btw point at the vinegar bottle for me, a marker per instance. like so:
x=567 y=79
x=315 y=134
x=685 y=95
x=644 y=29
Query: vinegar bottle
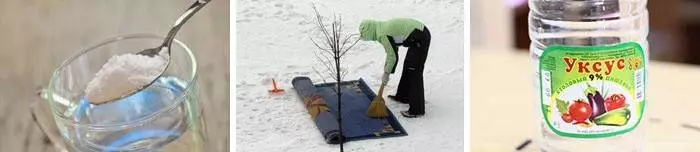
x=590 y=61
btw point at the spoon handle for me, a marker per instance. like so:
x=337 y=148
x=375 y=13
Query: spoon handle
x=182 y=20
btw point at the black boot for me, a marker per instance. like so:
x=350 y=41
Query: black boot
x=409 y=115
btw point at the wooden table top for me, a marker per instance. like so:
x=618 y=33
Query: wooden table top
x=502 y=94
x=37 y=35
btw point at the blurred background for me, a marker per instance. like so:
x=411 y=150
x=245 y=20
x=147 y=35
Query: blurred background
x=37 y=35
x=674 y=27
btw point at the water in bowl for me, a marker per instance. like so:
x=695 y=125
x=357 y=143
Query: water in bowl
x=151 y=120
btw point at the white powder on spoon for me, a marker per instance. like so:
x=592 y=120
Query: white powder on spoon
x=123 y=74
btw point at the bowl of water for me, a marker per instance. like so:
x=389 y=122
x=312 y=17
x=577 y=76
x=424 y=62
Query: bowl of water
x=165 y=116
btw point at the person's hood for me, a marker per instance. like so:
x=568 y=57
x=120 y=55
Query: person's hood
x=368 y=30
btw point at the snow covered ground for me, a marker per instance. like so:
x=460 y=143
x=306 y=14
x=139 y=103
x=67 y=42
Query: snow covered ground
x=273 y=42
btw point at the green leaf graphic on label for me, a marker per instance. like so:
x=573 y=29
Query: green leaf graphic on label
x=562 y=106
x=607 y=83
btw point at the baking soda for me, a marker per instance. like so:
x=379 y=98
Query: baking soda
x=123 y=74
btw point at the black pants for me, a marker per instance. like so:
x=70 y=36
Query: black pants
x=411 y=83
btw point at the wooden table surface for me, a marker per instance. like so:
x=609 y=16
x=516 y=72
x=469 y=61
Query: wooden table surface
x=502 y=94
x=36 y=35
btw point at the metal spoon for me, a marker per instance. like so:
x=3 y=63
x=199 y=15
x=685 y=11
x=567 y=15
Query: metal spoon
x=171 y=34
x=164 y=49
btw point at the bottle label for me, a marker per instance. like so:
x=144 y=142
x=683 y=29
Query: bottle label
x=592 y=91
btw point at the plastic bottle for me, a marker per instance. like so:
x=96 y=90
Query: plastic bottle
x=588 y=53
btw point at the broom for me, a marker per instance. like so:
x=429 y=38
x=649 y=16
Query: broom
x=378 y=109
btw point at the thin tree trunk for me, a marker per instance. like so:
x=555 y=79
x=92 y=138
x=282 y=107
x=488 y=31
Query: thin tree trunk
x=334 y=45
x=340 y=114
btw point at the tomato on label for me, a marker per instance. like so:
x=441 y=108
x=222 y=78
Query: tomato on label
x=580 y=111
x=615 y=101
x=567 y=118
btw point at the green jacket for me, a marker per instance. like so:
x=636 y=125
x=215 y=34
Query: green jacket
x=389 y=33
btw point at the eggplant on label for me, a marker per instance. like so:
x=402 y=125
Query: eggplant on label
x=595 y=99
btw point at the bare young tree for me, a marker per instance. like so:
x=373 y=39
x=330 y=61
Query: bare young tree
x=333 y=45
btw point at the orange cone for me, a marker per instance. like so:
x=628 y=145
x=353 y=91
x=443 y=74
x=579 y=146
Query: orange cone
x=275 y=90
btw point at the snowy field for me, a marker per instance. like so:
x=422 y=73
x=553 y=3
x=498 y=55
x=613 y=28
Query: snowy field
x=273 y=42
